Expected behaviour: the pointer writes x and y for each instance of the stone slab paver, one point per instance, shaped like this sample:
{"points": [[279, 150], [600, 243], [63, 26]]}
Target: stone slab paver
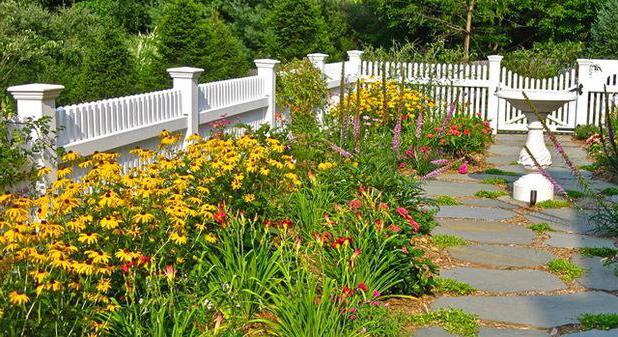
{"points": [[431, 332], [564, 219], [594, 333], [505, 280], [597, 275], [506, 256], [565, 240], [484, 202], [492, 214], [485, 231], [537, 311], [455, 189], [491, 332]]}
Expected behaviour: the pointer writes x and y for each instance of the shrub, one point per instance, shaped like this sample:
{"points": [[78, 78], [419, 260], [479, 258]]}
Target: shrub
{"points": [[189, 38], [544, 59], [295, 29], [604, 43], [583, 132]]}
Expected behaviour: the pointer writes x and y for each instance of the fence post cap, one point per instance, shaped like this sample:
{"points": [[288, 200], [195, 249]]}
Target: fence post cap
{"points": [[35, 91], [585, 61], [266, 63], [495, 57], [355, 53], [317, 55], [185, 72]]}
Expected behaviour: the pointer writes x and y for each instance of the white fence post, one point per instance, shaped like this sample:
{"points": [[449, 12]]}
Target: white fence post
{"points": [[583, 81], [37, 101], [185, 81], [355, 58], [494, 84], [318, 60], [266, 70]]}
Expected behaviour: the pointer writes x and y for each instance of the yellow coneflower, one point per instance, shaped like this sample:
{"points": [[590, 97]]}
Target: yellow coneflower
{"points": [[88, 238], [126, 255], [109, 222], [98, 257], [178, 239], [249, 197], [210, 238], [104, 285], [64, 172], [16, 298], [70, 156], [143, 218]]}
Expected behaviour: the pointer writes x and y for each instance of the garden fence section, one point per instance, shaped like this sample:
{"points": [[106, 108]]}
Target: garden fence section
{"points": [[474, 87], [121, 124]]}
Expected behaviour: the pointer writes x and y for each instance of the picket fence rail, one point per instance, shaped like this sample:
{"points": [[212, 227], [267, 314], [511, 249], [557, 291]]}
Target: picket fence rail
{"points": [[120, 124]]}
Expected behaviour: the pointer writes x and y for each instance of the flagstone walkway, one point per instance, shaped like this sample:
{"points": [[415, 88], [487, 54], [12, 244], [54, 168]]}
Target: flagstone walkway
{"points": [[516, 295]]}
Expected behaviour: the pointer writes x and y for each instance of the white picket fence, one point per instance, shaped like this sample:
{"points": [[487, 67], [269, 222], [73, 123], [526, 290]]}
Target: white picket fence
{"points": [[121, 124], [474, 87]]}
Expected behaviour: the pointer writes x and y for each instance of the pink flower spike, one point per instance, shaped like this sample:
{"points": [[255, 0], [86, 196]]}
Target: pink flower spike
{"points": [[376, 293]]}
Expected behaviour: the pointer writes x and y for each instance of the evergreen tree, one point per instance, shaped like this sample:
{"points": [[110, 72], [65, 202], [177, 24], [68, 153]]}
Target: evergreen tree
{"points": [[189, 38], [604, 39], [295, 29], [107, 67]]}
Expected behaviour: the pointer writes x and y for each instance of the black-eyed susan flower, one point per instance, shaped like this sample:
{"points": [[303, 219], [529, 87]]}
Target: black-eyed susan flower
{"points": [[16, 298], [88, 238]]}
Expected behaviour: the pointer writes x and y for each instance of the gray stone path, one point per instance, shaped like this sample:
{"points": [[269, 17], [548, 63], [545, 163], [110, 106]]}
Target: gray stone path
{"points": [[537, 311], [508, 260], [505, 280], [501, 256], [485, 231]]}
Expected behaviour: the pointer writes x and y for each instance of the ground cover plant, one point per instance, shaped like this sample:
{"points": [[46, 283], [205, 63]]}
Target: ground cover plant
{"points": [[566, 270]]}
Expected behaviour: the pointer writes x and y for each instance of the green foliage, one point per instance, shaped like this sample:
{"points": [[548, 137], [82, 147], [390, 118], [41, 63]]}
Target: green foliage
{"points": [[583, 132], [553, 204], [452, 287], [301, 90], [575, 194], [500, 172], [494, 181], [445, 200], [541, 227], [599, 252], [544, 59], [610, 191], [303, 306], [443, 241], [491, 194], [107, 67], [455, 321], [599, 321], [18, 149], [295, 28], [189, 37], [566, 270], [604, 41], [240, 269], [131, 14]]}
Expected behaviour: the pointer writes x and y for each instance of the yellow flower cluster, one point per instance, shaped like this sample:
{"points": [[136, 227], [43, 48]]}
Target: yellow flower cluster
{"points": [[83, 239], [369, 101]]}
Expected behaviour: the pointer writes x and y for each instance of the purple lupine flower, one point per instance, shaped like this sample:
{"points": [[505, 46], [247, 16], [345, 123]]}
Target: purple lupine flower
{"points": [[341, 151], [439, 171], [435, 173], [419, 125], [450, 114], [396, 144], [559, 189], [356, 127], [440, 162]]}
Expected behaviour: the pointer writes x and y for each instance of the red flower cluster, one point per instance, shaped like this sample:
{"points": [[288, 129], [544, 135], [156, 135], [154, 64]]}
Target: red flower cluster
{"points": [[404, 214]]}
